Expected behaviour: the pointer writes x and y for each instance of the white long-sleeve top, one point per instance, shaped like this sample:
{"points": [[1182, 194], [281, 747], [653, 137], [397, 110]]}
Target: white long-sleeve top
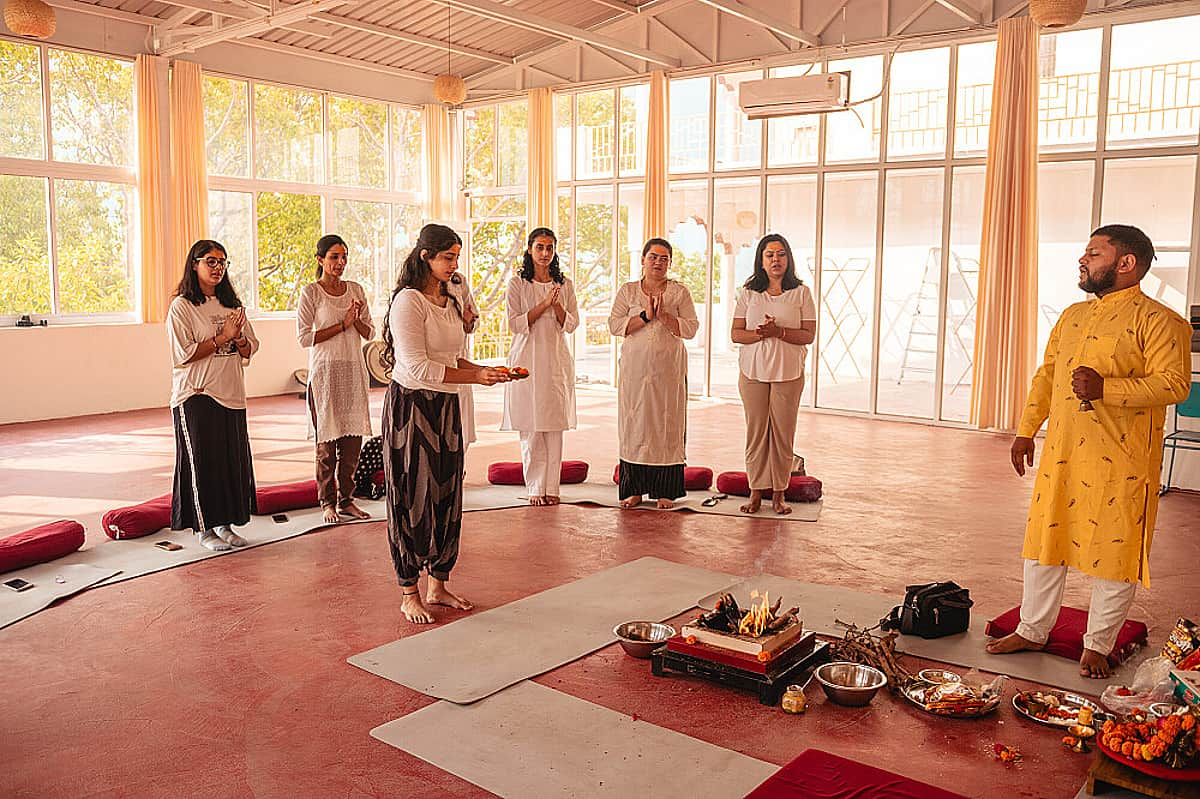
{"points": [[545, 401], [425, 340], [220, 375], [337, 372], [461, 290]]}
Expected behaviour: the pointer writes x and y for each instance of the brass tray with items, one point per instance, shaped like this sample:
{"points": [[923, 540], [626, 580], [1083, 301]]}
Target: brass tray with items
{"points": [[957, 699], [1055, 708]]}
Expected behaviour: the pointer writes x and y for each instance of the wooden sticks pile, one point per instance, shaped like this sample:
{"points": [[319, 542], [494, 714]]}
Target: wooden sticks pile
{"points": [[879, 651]]}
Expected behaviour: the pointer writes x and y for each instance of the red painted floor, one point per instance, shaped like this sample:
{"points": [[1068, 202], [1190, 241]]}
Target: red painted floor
{"points": [[228, 678]]}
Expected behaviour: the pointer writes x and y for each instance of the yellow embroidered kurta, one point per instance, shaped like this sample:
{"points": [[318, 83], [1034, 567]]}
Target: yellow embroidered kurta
{"points": [[1095, 498]]}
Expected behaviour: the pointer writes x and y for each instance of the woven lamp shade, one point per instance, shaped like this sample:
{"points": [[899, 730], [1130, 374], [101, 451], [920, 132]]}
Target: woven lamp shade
{"points": [[30, 18], [1057, 13], [449, 89]]}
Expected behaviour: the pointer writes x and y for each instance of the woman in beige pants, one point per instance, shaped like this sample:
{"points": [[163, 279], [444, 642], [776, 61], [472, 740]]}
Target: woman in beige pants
{"points": [[774, 321]]}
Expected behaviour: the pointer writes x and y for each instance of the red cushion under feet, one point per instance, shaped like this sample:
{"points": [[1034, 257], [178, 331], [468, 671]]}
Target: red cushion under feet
{"points": [[41, 544], [287, 496], [801, 488], [695, 478], [136, 521], [820, 775], [507, 473], [1066, 639]]}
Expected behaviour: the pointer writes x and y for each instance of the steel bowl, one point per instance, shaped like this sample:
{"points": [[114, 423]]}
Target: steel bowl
{"points": [[937, 676], [850, 684], [640, 638]]}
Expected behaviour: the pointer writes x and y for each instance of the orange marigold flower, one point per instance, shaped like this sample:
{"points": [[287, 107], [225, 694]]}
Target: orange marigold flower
{"points": [[1127, 748]]}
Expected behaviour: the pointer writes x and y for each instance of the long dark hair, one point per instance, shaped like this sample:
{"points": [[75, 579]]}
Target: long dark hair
{"points": [[189, 285], [324, 245], [414, 274], [760, 281], [527, 260]]}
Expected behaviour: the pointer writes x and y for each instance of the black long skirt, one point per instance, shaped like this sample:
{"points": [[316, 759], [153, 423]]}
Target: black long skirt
{"points": [[423, 463], [214, 473], [656, 482]]}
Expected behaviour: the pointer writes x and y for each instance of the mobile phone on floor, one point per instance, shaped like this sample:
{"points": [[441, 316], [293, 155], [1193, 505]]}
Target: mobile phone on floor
{"points": [[280, 518], [168, 546], [17, 584]]}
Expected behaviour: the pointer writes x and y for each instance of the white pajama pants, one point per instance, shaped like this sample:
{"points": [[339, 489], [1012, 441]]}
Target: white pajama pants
{"points": [[541, 460], [1041, 600]]}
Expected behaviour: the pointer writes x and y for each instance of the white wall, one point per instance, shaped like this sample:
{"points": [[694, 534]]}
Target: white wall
{"points": [[55, 372]]}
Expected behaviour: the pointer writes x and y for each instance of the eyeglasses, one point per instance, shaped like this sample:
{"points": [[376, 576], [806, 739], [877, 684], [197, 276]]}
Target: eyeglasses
{"points": [[214, 263], [666, 259]]}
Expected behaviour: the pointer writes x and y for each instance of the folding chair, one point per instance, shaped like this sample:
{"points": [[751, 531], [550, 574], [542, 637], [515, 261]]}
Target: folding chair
{"points": [[1182, 439]]}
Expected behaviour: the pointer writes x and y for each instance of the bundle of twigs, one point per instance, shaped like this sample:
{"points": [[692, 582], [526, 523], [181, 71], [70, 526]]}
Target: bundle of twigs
{"points": [[879, 651]]}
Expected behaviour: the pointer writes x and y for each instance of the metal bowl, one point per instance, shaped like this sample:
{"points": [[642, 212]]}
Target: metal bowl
{"points": [[640, 638], [937, 676], [850, 684]]}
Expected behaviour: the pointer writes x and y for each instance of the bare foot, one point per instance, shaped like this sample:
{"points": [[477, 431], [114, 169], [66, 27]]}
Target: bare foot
{"points": [[551, 499], [537, 502], [1093, 665], [353, 511], [1012, 643], [331, 515], [664, 504], [414, 610], [439, 594], [754, 504], [779, 503], [631, 502]]}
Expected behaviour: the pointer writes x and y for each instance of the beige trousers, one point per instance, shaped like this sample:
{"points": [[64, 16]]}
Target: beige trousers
{"points": [[770, 410], [1042, 596]]}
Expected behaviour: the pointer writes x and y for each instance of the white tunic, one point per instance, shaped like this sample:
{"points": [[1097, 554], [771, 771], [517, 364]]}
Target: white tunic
{"points": [[774, 360], [220, 375], [425, 340], [652, 376], [545, 401], [337, 371], [466, 394]]}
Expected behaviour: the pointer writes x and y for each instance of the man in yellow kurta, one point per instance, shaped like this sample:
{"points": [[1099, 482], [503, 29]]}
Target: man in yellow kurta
{"points": [[1112, 366]]}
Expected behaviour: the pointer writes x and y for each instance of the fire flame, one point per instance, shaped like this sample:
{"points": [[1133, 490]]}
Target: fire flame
{"points": [[757, 617]]}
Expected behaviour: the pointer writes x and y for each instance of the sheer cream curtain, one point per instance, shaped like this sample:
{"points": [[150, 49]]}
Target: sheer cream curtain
{"points": [[148, 71], [189, 165], [541, 210], [657, 156], [1006, 317], [439, 162]]}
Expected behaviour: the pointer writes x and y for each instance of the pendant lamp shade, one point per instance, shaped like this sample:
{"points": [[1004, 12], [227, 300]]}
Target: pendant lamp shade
{"points": [[1057, 13], [30, 18], [449, 89]]}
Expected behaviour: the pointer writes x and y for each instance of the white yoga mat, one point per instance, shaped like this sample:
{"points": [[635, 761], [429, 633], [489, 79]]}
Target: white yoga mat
{"points": [[51, 582], [821, 605], [606, 495], [483, 653], [532, 741]]}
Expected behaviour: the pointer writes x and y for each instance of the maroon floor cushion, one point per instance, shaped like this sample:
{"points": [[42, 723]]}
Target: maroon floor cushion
{"points": [[1066, 639], [801, 488], [287, 496], [40, 544], [507, 473], [136, 521], [695, 478], [820, 775]]}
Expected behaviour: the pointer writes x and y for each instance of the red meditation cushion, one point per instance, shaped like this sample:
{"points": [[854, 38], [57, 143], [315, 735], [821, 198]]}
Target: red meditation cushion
{"points": [[801, 488], [507, 473], [819, 775], [695, 478], [379, 478], [287, 496], [136, 521], [1066, 639], [40, 544]]}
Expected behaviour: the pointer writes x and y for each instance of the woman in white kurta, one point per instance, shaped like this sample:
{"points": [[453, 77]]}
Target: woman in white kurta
{"points": [[542, 312], [774, 321], [332, 321], [654, 315]]}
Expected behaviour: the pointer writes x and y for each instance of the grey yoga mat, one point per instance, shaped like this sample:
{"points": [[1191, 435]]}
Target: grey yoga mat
{"points": [[821, 606], [532, 741], [540, 632], [51, 582], [606, 495]]}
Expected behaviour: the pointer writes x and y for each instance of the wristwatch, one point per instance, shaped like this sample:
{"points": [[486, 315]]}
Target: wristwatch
{"points": [[644, 318]]}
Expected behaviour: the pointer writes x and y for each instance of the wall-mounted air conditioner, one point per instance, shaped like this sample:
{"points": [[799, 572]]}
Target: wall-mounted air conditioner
{"points": [[805, 94]]}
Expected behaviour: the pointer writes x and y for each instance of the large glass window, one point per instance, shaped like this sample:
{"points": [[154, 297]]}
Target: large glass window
{"points": [[1154, 83], [973, 100], [25, 256], [739, 140], [595, 135], [91, 109], [21, 125], [287, 134], [227, 127], [917, 103], [635, 107], [1064, 221], [358, 142], [689, 109], [1069, 96], [594, 281], [855, 134], [688, 230], [795, 140], [735, 235], [962, 291]]}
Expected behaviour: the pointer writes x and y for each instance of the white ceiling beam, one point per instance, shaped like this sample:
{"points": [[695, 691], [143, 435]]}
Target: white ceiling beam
{"points": [[771, 23], [610, 57], [412, 38], [176, 19], [963, 10], [553, 76], [246, 10], [340, 60], [834, 13], [544, 25], [253, 27], [691, 48], [102, 11], [911, 18], [617, 5]]}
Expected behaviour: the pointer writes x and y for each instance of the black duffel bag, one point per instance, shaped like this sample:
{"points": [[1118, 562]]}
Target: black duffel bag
{"points": [[931, 611]]}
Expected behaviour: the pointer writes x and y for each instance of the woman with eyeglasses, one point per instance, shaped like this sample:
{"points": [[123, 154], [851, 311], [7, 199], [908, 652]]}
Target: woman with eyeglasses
{"points": [[211, 342], [774, 320], [542, 312], [332, 320], [654, 314], [422, 427]]}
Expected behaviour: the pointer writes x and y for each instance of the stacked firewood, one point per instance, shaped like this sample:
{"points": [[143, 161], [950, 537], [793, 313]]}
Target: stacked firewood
{"points": [[879, 651]]}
